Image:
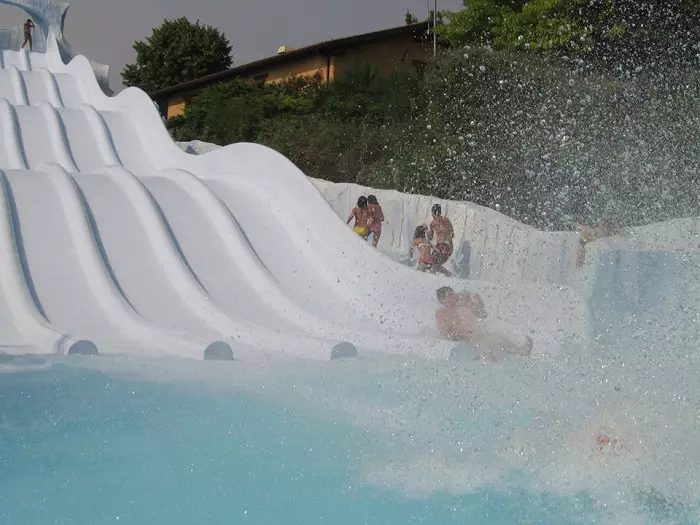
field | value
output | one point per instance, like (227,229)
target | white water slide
(110,233)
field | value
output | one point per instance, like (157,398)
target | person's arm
(463,298)
(430,231)
(381,214)
(352,214)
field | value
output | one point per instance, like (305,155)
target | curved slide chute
(111,234)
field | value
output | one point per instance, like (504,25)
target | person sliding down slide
(462,319)
(362,218)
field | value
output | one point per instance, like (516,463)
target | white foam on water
(462,428)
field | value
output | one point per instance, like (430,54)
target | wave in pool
(377,441)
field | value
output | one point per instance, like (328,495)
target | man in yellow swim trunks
(362,218)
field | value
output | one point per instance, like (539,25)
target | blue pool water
(80,445)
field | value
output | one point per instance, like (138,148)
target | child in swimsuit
(420,239)
(377,215)
(362,218)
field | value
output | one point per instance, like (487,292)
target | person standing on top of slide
(442,228)
(28,25)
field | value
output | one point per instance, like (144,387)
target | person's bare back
(442,229)
(362,218)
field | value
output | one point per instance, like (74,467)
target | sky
(105,30)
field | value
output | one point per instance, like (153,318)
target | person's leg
(580,255)
(441,269)
(524,349)
(376,235)
(438,259)
(25,42)
(30,43)
(493,342)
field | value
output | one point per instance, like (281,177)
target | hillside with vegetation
(547,110)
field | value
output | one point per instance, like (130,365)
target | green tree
(630,35)
(176,52)
(410,18)
(364,92)
(237,111)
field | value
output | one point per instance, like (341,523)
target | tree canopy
(177,51)
(628,34)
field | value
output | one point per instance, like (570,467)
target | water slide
(112,234)
(633,282)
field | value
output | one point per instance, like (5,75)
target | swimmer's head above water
(362,202)
(371,199)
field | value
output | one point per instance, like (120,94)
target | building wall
(176,106)
(303,67)
(401,53)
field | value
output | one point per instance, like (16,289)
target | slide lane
(233,275)
(72,285)
(24,327)
(155,276)
(354,285)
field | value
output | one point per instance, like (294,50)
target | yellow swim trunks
(359,230)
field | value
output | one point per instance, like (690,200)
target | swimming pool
(383,441)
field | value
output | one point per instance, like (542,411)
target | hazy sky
(105,30)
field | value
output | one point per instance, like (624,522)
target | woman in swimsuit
(420,240)
(375,211)
(362,218)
